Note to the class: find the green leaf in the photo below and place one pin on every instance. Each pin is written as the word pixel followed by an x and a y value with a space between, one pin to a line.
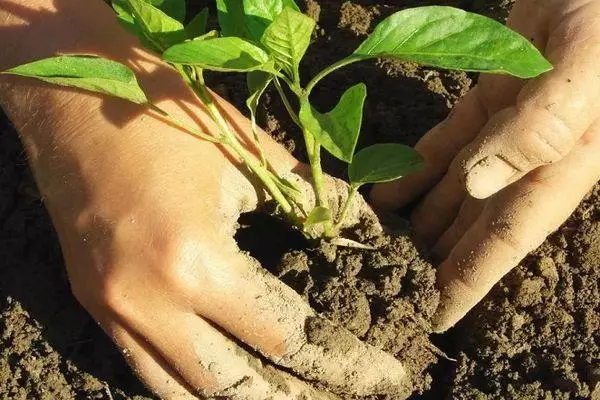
pixel 208 36
pixel 287 38
pixel 318 215
pixel 232 19
pixel 197 26
pixel 337 131
pixel 173 8
pixel 260 13
pixel 383 163
pixel 257 82
pixel 221 54
pixel 450 38
pixel 85 72
pixel 159 28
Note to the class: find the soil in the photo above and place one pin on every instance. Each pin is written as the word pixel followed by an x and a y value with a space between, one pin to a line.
pixel 535 336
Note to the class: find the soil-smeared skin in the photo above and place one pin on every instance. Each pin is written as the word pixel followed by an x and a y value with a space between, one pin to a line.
pixel 385 296
pixel 536 336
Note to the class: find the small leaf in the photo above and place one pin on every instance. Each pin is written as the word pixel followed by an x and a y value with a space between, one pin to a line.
pixel 208 36
pixel 197 26
pixel 159 28
pixel 232 19
pixel 290 189
pixel 221 54
pixel 450 38
pixel 257 82
pixel 287 38
pixel 173 8
pixel 260 13
pixel 318 215
pixel 383 163
pixel 85 72
pixel 337 131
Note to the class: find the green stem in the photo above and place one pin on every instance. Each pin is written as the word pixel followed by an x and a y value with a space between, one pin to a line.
pixel 180 124
pixel 327 71
pixel 263 159
pixel 287 103
pixel 318 182
pixel 352 191
pixel 229 139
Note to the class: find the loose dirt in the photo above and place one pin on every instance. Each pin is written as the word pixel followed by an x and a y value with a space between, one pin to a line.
pixel 536 336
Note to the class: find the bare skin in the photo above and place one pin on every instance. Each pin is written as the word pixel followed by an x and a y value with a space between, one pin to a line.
pixel 146 215
pixel 512 161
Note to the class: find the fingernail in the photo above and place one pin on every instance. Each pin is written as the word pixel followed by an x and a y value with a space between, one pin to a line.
pixel 488 176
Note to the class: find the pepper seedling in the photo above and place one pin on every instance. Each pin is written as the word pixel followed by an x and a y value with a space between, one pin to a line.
pixel 267 40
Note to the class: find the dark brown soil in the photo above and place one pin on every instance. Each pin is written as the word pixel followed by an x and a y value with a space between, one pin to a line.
pixel 536 336
pixel 385 296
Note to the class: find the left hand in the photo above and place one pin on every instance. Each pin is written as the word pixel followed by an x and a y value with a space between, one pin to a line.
pixel 513 159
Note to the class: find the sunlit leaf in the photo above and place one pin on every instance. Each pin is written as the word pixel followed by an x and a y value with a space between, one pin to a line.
pixel 85 72
pixel 159 28
pixel 337 131
pixel 383 163
pixel 287 39
pixel 260 13
pixel 221 54
pixel 451 38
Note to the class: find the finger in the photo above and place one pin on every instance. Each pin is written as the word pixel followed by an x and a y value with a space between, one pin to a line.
pixel 437 147
pixel 211 364
pixel 150 367
pixel 260 310
pixel 514 222
pixel 550 115
pixel 469 211
pixel 439 208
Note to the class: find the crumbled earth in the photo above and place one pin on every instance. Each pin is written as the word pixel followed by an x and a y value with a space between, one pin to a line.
pixel 385 296
pixel 536 336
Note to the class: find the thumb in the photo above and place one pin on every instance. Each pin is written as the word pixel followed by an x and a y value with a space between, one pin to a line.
pixel 550 115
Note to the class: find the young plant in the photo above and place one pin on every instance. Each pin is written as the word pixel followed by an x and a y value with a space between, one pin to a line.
pixel 267 39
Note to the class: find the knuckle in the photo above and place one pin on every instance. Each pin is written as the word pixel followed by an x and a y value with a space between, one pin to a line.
pixel 550 138
pixel 112 295
pixel 179 262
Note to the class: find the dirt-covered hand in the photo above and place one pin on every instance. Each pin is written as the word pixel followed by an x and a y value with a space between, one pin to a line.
pixel 146 216
pixel 513 159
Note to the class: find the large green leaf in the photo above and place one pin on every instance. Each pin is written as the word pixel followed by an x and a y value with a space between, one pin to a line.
pixel 383 163
pixel 221 54
pixel 197 26
pixel 260 13
pixel 85 72
pixel 287 38
pixel 159 28
pixel 450 38
pixel 337 131
pixel 232 19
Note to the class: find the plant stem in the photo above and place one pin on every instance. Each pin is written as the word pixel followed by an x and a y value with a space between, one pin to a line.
pixel 180 124
pixel 229 139
pixel 313 82
pixel 318 181
pixel 286 103
pixel 352 191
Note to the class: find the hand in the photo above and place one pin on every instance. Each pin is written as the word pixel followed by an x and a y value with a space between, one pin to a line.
pixel 513 159
pixel 146 216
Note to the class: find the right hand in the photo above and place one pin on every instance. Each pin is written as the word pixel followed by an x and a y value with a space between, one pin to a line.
pixel 146 215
